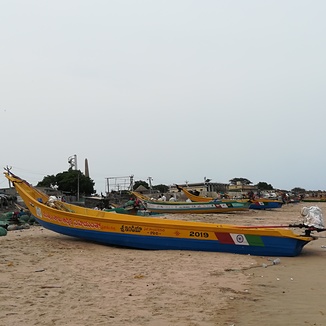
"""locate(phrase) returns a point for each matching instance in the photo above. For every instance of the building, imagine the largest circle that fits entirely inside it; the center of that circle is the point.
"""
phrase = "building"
(240, 190)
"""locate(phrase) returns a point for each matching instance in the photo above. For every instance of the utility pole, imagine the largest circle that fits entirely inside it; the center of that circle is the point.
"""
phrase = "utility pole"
(108, 185)
(131, 185)
(150, 179)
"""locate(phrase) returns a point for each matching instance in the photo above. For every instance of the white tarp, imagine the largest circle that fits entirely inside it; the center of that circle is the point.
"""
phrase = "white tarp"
(313, 217)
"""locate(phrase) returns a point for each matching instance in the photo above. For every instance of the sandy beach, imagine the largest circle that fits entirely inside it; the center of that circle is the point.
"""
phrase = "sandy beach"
(51, 279)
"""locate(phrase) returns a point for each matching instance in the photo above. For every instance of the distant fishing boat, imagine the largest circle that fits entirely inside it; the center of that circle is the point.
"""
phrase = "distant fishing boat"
(313, 200)
(210, 207)
(265, 203)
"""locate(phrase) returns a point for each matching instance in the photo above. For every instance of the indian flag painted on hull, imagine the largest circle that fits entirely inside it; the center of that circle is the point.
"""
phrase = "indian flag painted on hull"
(240, 239)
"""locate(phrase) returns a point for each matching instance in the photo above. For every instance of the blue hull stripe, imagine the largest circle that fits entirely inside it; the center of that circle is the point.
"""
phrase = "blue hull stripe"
(273, 246)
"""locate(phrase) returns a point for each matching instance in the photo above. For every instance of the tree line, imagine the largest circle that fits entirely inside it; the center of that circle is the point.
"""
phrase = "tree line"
(71, 180)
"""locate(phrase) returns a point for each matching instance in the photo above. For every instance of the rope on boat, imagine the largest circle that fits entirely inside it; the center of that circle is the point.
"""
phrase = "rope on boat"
(60, 206)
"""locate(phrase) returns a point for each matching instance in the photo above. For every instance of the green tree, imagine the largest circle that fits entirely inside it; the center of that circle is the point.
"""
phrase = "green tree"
(48, 181)
(161, 188)
(264, 186)
(298, 190)
(243, 181)
(67, 181)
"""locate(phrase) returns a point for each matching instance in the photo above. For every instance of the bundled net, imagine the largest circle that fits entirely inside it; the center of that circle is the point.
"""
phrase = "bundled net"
(313, 217)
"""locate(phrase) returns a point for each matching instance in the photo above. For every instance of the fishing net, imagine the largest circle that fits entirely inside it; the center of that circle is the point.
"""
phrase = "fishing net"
(313, 217)
(3, 231)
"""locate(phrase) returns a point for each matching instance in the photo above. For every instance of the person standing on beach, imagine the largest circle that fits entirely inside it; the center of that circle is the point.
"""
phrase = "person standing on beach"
(172, 198)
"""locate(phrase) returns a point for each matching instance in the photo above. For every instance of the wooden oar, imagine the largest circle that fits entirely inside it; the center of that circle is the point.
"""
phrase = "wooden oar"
(264, 226)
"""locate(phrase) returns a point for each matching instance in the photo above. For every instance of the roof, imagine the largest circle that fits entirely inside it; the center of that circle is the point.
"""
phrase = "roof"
(141, 188)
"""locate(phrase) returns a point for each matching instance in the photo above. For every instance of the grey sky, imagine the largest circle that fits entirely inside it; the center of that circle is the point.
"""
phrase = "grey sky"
(175, 90)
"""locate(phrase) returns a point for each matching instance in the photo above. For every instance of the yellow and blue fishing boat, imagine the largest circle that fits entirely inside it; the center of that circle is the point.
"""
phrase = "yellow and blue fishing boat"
(259, 203)
(154, 233)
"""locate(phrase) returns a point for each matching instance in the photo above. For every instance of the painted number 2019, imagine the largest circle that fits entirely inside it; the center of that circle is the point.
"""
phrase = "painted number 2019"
(199, 234)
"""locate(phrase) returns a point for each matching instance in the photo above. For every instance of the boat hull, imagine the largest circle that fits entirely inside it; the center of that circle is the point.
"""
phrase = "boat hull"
(265, 204)
(195, 208)
(265, 245)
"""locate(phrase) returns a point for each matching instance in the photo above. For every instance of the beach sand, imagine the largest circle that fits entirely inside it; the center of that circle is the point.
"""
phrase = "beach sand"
(51, 279)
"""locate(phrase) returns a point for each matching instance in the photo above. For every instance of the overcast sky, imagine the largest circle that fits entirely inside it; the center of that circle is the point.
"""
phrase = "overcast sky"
(174, 90)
